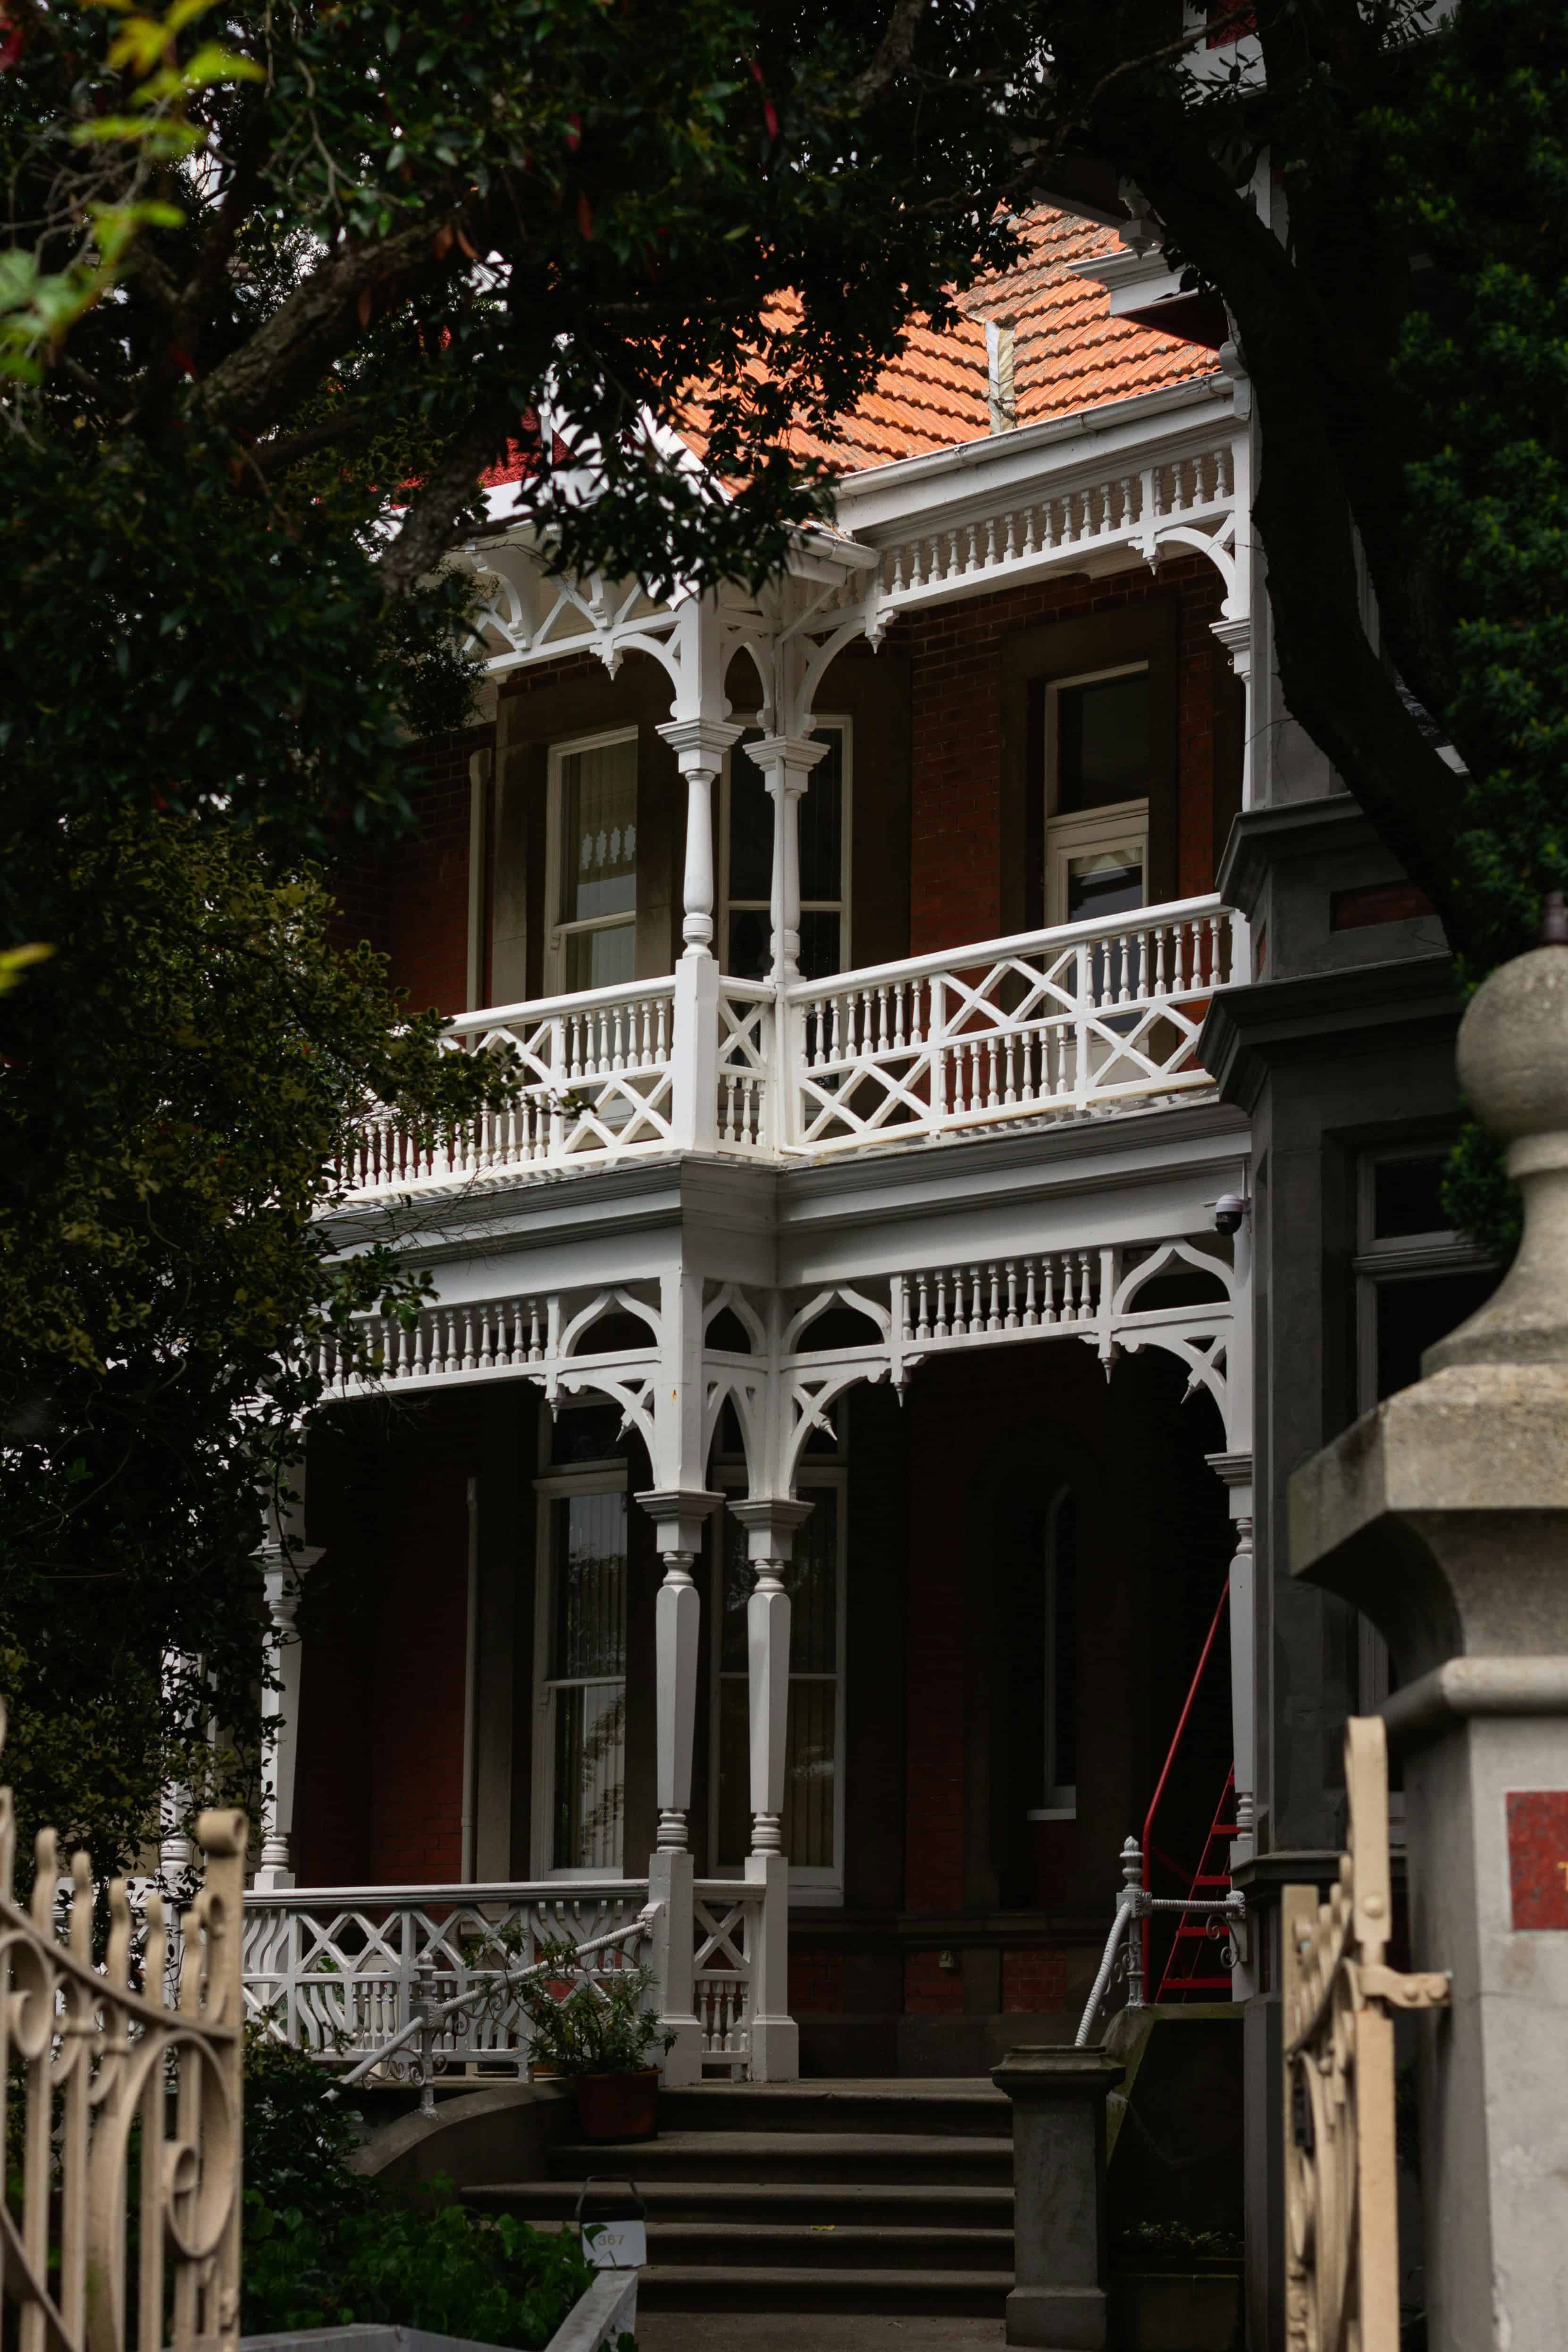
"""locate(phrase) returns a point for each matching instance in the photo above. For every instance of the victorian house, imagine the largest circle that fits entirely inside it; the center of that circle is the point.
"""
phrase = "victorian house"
(985, 1086)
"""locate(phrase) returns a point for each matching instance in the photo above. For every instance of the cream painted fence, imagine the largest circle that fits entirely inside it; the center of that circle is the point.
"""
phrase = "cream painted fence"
(122, 2219)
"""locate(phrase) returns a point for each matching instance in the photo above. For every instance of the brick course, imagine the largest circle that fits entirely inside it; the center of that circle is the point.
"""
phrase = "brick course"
(1034, 1981)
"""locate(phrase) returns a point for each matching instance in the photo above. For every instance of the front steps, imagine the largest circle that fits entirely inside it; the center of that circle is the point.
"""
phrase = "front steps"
(885, 2196)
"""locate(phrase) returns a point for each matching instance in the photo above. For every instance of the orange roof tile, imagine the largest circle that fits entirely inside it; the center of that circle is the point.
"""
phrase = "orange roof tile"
(1069, 354)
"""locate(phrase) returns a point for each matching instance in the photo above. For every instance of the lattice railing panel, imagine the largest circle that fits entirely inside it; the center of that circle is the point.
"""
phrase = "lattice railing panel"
(747, 1019)
(595, 1085)
(337, 1971)
(1060, 1023)
(728, 1919)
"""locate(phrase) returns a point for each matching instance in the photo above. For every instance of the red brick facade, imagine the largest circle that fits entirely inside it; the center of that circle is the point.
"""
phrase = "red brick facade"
(1034, 1981)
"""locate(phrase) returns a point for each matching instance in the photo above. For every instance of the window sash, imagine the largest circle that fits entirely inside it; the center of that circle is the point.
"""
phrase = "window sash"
(563, 929)
(559, 1698)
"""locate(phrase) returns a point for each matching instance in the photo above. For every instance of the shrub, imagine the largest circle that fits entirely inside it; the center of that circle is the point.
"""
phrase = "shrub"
(324, 2247)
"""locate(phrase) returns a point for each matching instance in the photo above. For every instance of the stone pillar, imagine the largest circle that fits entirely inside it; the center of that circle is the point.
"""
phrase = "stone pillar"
(786, 762)
(771, 1533)
(1058, 2188)
(678, 1520)
(1444, 1515)
(285, 1558)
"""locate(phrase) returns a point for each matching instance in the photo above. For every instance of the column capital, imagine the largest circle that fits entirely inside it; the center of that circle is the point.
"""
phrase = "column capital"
(699, 742)
(787, 751)
(1232, 1470)
(678, 1513)
(770, 1522)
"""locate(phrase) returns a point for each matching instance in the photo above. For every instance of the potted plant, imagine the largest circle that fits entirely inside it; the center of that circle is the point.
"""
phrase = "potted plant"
(600, 2037)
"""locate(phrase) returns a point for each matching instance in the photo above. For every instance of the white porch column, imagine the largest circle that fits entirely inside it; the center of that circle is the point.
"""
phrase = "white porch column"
(285, 1558)
(769, 1537)
(678, 1518)
(786, 762)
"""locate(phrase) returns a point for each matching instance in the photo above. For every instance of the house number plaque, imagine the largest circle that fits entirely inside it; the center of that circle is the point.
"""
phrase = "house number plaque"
(1538, 1856)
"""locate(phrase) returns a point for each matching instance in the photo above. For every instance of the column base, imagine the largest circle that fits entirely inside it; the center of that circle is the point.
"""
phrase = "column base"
(1057, 2318)
(669, 1886)
(272, 1878)
(775, 2050)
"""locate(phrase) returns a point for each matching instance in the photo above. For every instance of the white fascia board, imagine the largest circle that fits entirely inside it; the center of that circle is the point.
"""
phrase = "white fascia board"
(982, 476)
(1132, 281)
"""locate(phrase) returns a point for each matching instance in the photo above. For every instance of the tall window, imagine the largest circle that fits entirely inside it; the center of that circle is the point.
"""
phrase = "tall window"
(748, 861)
(1097, 794)
(813, 1792)
(579, 1761)
(594, 861)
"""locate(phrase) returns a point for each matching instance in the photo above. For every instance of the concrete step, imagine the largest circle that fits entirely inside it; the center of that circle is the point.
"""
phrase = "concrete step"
(929, 2157)
(815, 2246)
(715, 2287)
(974, 2108)
(826, 2246)
(913, 2205)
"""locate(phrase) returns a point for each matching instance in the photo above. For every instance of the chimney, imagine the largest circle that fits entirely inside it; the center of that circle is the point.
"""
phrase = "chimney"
(1000, 374)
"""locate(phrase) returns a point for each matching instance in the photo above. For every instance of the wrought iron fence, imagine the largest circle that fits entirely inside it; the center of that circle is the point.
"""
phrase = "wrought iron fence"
(1342, 2237)
(120, 2216)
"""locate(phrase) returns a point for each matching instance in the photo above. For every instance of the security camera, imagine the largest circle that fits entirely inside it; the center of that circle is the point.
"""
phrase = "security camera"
(1229, 1212)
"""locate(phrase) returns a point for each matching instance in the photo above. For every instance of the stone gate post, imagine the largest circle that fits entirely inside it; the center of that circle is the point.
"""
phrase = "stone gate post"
(1444, 1515)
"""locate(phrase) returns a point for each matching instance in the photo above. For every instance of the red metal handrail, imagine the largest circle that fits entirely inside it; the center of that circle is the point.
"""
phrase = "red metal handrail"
(1171, 1756)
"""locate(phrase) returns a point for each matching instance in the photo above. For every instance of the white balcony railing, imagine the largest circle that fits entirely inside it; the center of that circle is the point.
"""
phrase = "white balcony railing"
(336, 1970)
(1088, 1019)
(1094, 1017)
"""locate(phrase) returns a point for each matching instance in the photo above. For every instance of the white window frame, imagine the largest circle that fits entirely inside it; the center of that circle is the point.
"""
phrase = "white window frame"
(841, 905)
(591, 1479)
(810, 1884)
(1121, 825)
(558, 933)
(1060, 1798)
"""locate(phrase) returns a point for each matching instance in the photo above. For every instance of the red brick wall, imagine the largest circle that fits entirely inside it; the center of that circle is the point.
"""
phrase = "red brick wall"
(411, 899)
(417, 1761)
(816, 1982)
(929, 1988)
(956, 849)
(1034, 1981)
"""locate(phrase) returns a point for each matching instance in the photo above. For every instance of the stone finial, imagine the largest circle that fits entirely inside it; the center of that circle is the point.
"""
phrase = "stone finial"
(1513, 1068)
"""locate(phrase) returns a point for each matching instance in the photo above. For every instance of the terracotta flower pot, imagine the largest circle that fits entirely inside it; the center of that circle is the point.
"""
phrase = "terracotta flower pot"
(619, 2107)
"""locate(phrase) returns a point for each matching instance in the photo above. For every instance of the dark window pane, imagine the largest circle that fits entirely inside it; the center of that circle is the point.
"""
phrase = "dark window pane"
(589, 1777)
(819, 945)
(821, 812)
(1102, 742)
(811, 1774)
(586, 1432)
(737, 1582)
(812, 1584)
(588, 1541)
(1407, 1198)
(1102, 882)
(599, 831)
(734, 1772)
(1413, 1314)
(749, 935)
(751, 825)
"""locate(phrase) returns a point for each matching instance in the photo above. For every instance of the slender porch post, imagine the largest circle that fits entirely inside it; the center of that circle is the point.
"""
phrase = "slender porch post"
(769, 1537)
(786, 762)
(678, 1522)
(175, 1850)
(285, 1558)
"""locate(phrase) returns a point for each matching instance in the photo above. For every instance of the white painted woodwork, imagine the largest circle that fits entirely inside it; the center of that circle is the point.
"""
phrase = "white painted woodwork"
(786, 762)
(285, 1558)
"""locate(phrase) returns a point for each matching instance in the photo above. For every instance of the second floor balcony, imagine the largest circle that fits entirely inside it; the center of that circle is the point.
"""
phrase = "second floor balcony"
(1085, 1020)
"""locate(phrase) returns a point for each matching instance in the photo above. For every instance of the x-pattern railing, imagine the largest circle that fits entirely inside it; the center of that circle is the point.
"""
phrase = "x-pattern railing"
(1051, 1023)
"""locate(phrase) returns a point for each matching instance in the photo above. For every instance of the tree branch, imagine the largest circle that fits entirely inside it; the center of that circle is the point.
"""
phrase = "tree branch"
(894, 52)
(430, 523)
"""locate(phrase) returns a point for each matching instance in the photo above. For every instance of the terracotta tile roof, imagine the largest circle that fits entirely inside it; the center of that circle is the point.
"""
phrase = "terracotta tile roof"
(1069, 355)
